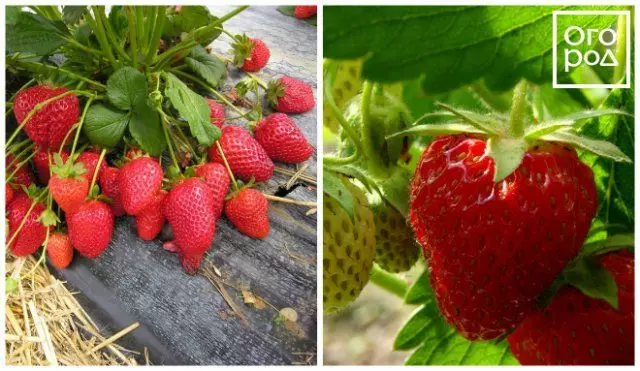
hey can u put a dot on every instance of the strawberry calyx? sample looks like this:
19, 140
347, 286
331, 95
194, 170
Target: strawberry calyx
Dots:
275, 91
241, 48
236, 191
510, 137
67, 169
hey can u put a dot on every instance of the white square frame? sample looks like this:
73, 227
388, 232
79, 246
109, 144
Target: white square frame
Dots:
555, 14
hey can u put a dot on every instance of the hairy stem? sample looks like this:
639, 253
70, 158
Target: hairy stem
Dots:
518, 105
388, 281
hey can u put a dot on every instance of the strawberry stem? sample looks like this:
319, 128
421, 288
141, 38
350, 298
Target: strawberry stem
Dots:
19, 166
226, 165
158, 27
77, 136
366, 133
518, 105
97, 169
42, 255
133, 42
388, 281
165, 130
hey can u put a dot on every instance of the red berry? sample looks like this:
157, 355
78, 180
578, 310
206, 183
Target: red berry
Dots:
282, 139
32, 233
251, 55
49, 125
139, 181
290, 95
90, 161
110, 188
216, 177
247, 211
23, 175
216, 112
68, 185
305, 11
575, 329
149, 221
493, 248
41, 161
90, 228
188, 210
59, 250
8, 194
247, 159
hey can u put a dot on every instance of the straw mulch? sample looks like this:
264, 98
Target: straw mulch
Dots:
45, 324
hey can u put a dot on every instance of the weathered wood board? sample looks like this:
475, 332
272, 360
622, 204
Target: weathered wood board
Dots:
184, 319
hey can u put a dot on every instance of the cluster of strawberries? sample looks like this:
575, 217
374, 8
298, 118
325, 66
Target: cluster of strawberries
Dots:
136, 184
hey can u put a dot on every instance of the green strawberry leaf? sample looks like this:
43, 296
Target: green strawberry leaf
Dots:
614, 180
126, 87
146, 128
335, 188
420, 292
452, 349
104, 125
10, 285
404, 43
32, 33
416, 329
71, 14
190, 18
193, 108
211, 68
592, 279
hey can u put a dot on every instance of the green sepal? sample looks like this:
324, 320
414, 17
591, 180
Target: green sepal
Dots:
241, 49
336, 189
599, 147
507, 153
275, 91
48, 218
612, 243
591, 279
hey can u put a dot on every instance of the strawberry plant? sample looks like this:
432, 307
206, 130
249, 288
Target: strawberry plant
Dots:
124, 111
518, 196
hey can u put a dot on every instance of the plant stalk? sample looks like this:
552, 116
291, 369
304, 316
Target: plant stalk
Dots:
388, 281
518, 105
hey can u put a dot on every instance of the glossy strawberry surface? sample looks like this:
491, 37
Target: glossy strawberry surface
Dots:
493, 248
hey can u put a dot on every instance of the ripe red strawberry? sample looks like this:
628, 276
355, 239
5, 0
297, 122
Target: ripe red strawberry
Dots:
216, 112
251, 55
41, 163
282, 139
305, 11
90, 228
23, 176
247, 211
110, 188
247, 159
290, 95
49, 125
493, 248
32, 233
8, 194
216, 177
188, 210
90, 161
149, 222
59, 250
576, 329
68, 185
139, 181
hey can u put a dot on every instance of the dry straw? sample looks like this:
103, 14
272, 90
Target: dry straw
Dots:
45, 324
